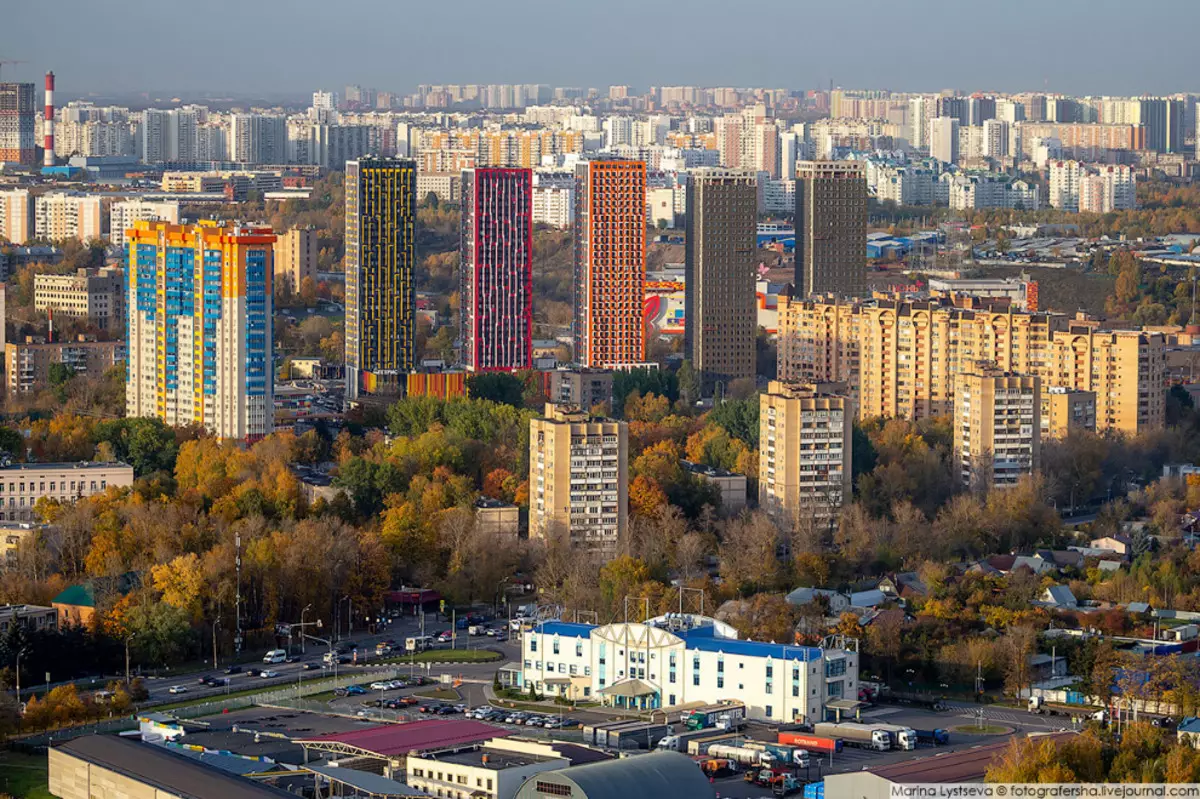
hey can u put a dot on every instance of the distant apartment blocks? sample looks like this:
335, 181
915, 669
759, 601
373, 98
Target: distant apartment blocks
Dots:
901, 358
296, 257
96, 296
831, 226
27, 365
1091, 188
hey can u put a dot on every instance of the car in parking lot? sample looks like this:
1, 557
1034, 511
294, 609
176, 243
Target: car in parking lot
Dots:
177, 689
447, 710
381, 685
408, 701
516, 718
355, 690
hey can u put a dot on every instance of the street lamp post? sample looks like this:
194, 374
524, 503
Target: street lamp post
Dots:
19, 653
128, 638
307, 608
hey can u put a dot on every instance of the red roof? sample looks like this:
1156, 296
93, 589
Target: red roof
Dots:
389, 740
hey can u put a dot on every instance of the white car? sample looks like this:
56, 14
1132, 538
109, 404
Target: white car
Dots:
268, 674
177, 689
381, 685
395, 684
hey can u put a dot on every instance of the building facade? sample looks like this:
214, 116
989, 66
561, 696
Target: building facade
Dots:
679, 659
831, 228
27, 365
380, 256
62, 215
496, 269
16, 216
94, 295
997, 426
122, 215
18, 109
720, 299
900, 358
579, 479
806, 446
296, 257
494, 770
1066, 410
199, 327
586, 388
610, 263
23, 484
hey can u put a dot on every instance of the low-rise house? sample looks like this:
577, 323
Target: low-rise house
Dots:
1188, 732
1059, 596
1117, 544
838, 602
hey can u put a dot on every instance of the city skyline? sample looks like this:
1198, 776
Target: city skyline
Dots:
784, 52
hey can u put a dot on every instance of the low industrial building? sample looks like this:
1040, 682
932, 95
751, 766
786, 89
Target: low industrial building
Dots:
681, 658
111, 766
662, 775
495, 770
731, 485
31, 617
495, 517
386, 747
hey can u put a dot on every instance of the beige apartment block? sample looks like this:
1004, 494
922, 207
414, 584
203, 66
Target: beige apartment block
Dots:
296, 257
1065, 410
997, 426
805, 448
578, 478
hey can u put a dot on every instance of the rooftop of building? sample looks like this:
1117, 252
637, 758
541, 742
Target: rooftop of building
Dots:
967, 765
489, 758
58, 467
167, 771
709, 471
490, 502
19, 609
702, 634
665, 775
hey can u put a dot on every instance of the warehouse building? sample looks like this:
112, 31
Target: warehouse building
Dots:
662, 775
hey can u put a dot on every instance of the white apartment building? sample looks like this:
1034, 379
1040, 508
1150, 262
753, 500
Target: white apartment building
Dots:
16, 216
553, 198
122, 215
59, 216
778, 196
943, 139
495, 770
23, 484
904, 185
258, 138
1091, 188
677, 659
968, 191
995, 139
93, 137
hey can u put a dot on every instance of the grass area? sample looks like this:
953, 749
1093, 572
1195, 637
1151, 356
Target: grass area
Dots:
1065, 290
445, 694
24, 776
448, 656
986, 729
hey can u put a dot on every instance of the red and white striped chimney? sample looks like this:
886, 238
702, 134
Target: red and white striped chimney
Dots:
48, 124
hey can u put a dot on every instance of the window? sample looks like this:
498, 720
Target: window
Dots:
768, 711
579, 649
552, 788
720, 681
770, 671
554, 647
532, 643
695, 678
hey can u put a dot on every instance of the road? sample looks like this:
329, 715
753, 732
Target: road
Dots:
289, 673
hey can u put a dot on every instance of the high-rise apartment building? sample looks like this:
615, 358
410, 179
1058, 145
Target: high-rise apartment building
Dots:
1066, 410
18, 107
997, 426
380, 256
122, 215
831, 228
258, 138
610, 263
1091, 188
900, 358
578, 479
719, 292
62, 215
94, 295
496, 266
805, 449
199, 327
296, 257
16, 216
943, 139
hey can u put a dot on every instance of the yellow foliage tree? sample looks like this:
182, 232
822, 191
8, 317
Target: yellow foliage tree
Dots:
180, 581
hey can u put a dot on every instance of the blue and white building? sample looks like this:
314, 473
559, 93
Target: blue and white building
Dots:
681, 659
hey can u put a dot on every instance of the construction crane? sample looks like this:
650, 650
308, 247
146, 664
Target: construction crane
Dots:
4, 61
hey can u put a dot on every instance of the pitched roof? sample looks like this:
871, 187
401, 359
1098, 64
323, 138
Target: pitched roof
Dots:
80, 595
387, 740
663, 775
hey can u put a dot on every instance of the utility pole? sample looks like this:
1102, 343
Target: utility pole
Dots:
307, 608
453, 628
216, 624
128, 638
237, 613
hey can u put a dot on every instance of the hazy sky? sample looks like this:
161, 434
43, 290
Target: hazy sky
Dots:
249, 46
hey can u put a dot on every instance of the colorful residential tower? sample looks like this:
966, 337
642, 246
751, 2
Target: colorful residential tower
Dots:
380, 254
610, 263
17, 119
199, 326
497, 269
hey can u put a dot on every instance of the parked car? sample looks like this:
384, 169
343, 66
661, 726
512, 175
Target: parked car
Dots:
177, 689
395, 684
381, 685
446, 710
355, 690
408, 701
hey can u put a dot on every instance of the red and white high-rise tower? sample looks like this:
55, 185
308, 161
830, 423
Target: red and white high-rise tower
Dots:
48, 122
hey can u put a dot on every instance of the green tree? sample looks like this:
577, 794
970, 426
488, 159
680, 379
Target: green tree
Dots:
689, 383
739, 418
60, 373
499, 387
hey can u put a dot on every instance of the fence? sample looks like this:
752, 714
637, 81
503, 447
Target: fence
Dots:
212, 706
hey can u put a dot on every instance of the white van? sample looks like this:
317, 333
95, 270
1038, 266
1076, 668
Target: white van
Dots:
275, 656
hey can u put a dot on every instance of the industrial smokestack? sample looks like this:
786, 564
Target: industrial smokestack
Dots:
48, 125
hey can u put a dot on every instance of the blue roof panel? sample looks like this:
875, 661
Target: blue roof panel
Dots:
569, 629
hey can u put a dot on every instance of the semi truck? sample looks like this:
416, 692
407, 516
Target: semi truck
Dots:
742, 755
935, 737
811, 743
790, 755
902, 737
864, 736
641, 736
700, 746
733, 714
